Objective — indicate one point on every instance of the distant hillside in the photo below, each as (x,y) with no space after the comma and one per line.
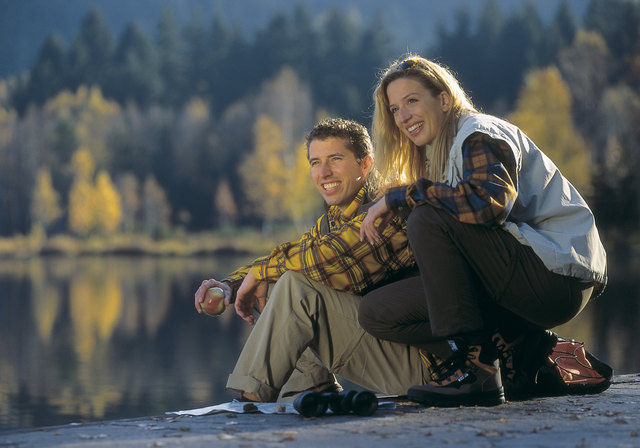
(25,23)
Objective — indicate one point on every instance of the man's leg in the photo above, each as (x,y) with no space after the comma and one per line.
(309,372)
(301,314)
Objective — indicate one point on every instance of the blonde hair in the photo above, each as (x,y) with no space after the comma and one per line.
(400,160)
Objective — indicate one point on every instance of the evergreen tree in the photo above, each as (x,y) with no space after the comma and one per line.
(21,144)
(520,45)
(273,46)
(340,65)
(373,53)
(560,34)
(135,73)
(91,52)
(196,52)
(156,210)
(486,84)
(226,62)
(59,149)
(459,49)
(617,21)
(304,45)
(48,73)
(617,184)
(240,66)
(128,189)
(171,62)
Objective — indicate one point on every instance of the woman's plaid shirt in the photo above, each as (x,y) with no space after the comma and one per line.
(337,258)
(484,196)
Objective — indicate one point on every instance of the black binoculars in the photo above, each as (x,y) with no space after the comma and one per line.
(315,404)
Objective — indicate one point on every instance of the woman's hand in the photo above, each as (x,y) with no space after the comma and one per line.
(249,291)
(369,231)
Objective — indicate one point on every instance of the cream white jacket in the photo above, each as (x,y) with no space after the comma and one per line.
(549,214)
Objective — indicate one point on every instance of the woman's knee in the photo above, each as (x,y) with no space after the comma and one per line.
(370,318)
(365,315)
(424,220)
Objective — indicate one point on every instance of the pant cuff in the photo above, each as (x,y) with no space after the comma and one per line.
(242,383)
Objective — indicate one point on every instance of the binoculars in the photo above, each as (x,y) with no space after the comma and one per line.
(315,404)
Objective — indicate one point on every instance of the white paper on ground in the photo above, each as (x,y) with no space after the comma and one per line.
(266,408)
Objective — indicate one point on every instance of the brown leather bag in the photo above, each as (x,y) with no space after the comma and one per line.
(571,369)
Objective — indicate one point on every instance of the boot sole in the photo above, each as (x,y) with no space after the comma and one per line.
(486,399)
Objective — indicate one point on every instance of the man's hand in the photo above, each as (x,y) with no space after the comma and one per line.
(368,230)
(250,290)
(206,284)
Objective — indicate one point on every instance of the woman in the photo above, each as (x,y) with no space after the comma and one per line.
(505,245)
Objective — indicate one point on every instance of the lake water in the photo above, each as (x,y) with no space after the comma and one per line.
(103,338)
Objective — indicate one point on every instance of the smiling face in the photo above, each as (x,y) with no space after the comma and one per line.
(336,172)
(417,112)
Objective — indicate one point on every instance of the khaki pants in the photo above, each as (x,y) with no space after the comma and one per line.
(302,314)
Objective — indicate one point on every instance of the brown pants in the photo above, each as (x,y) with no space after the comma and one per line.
(471,278)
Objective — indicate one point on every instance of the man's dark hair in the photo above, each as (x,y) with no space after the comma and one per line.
(357,140)
(355,135)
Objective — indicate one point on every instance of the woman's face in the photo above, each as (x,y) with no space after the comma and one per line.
(417,112)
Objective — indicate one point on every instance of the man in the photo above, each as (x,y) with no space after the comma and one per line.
(309,329)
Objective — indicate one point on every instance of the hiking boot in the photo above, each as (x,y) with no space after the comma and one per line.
(521,356)
(470,377)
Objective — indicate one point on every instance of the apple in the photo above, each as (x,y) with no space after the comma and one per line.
(213,303)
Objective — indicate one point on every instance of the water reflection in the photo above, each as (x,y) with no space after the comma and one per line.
(86,339)
(103,338)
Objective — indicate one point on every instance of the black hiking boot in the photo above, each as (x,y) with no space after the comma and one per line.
(470,377)
(521,357)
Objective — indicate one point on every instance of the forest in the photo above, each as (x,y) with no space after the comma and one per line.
(199,128)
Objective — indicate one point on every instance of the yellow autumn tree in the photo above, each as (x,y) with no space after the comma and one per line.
(543,112)
(303,202)
(93,116)
(83,164)
(45,205)
(82,196)
(109,205)
(265,171)
(92,208)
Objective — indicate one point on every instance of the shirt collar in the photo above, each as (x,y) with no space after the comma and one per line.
(351,210)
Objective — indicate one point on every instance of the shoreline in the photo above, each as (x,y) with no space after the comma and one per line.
(608,419)
(232,242)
